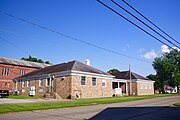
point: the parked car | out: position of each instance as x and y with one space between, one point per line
4 93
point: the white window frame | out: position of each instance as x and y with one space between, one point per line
23 84
40 83
94 79
21 72
5 71
27 83
47 81
84 80
103 83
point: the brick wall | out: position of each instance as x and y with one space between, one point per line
145 88
90 91
6 81
70 87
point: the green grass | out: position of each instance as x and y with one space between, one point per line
22 97
177 104
5 108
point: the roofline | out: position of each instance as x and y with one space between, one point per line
65 73
21 65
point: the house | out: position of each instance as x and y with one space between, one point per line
12 68
170 89
70 80
130 83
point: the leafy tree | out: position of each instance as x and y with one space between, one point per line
157 84
113 70
168 68
33 59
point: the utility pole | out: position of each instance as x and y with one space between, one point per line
130 83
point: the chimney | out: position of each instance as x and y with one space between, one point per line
87 62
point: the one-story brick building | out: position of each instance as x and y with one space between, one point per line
67 80
132 84
74 80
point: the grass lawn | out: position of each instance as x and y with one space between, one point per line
74 103
177 104
22 97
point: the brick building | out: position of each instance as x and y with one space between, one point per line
74 80
67 80
12 68
132 84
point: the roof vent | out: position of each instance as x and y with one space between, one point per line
87 62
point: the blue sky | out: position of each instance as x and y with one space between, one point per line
89 21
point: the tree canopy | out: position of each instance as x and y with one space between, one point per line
113 70
33 59
168 69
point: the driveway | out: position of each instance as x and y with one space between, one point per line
150 109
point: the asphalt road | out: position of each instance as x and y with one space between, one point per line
151 109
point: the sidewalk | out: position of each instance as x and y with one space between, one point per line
19 101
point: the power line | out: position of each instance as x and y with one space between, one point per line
72 38
144 23
14 46
150 21
133 23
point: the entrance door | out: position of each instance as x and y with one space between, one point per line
53 83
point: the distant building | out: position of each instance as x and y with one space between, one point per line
12 68
132 84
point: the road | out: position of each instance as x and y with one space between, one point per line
150 109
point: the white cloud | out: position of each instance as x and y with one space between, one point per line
165 49
176 48
150 55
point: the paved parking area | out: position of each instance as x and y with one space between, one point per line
18 101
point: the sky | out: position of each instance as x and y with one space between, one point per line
88 21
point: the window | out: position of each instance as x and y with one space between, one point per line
40 83
21 72
103 83
83 80
23 83
47 81
28 83
6 84
94 81
5 72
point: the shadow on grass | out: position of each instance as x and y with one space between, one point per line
138 113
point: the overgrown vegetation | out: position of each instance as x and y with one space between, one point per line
74 103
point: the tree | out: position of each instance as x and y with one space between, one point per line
113 70
157 84
33 59
168 69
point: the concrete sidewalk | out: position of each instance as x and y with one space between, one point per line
19 101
